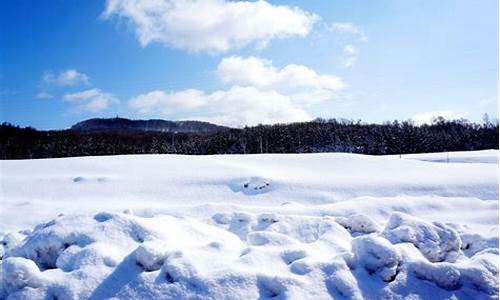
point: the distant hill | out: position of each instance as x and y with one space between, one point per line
126 125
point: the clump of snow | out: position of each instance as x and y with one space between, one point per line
342 284
358 224
49 240
260 238
75 257
436 241
9 241
376 255
179 268
473 243
453 277
151 255
487 259
444 275
19 273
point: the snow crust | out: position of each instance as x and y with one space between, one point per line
305 227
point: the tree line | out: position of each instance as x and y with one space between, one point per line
320 135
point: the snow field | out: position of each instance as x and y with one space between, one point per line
320 226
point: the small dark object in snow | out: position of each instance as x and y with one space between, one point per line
78 179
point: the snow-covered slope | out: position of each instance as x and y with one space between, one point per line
310 226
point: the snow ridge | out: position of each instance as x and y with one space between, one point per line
243 256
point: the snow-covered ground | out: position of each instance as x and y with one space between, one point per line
308 226
484 156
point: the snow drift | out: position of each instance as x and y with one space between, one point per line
129 257
250 227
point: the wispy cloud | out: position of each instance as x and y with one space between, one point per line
348 28
350 55
44 95
210 25
68 77
92 100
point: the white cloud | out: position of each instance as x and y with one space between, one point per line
233 107
257 92
163 102
92 100
65 78
428 117
44 95
302 84
210 25
348 28
350 55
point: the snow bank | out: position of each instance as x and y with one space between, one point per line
277 256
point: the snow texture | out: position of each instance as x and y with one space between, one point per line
357 227
436 241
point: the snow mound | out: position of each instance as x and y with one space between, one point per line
453 277
151 255
358 224
11 240
122 256
376 255
19 273
473 243
436 241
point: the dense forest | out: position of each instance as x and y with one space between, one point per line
316 136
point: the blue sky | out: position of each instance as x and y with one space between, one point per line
238 63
